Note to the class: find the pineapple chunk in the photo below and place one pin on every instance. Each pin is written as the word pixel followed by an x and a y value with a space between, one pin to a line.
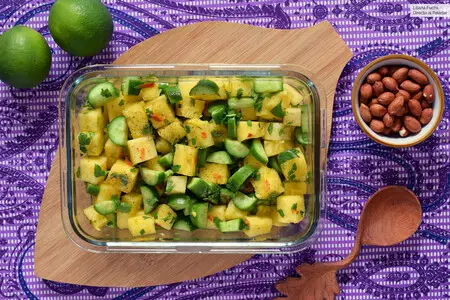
pixel 257 225
pixel 87 168
pixel 163 146
pixel 150 93
pixel 123 175
pixel 137 119
pixel 293 116
pixel 186 84
pixel 186 158
pixel 122 220
pixel 278 132
pixel 141 149
pixel 268 183
pixel 97 220
pixel 276 218
pixel 108 192
pixel 113 152
pixel 190 108
pixel 270 102
pixel 219 132
pixel 252 161
pixel 91 119
pixel 243 84
pixel 91 143
pixel 135 200
pixel 232 212
pixel 250 130
pixel 198 133
pixel 295 169
pixel 270 212
pixel 159 112
pixel 153 164
pixel 115 108
pixel 295 188
pixel 164 216
pixel 176 185
pixel 173 132
pixel 291 208
pixel 130 98
pixel 276 147
pixel 141 225
pixel 217 211
pixel 294 96
pixel 215 173
pixel 248 113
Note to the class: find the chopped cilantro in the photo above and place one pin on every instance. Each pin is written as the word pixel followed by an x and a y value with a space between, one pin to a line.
pixel 193 141
pixel 294 206
pixel 238 116
pixel 147 129
pixel 78 172
pixel 170 186
pixel 124 207
pixel 281 132
pixel 239 93
pixel 192 101
pixel 169 215
pixel 155 215
pixel 272 196
pixel 98 172
pixel 121 103
pixel 142 232
pixel 106 93
pixel 270 128
pixel 216 133
pixel 281 212
pixel 166 121
pixel 176 168
pixel 256 176
pixel 290 123
pixel 188 128
pixel 122 177
pixel 302 212
pixel 110 224
pixel 149 112
pixel 293 169
pixel 84 138
pixel 249 123
pixel 115 198
pixel 217 221
pixel 258 102
pixel 133 170
pixel 145 217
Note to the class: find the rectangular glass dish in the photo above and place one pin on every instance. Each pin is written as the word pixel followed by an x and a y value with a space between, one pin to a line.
pixel 74 197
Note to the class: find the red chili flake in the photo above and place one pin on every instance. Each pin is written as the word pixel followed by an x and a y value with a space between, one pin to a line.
pixel 142 153
pixel 246 222
pixel 249 135
pixel 217 176
pixel 210 217
pixel 157 118
pixel 147 85
pixel 266 185
pixel 128 162
pixel 204 135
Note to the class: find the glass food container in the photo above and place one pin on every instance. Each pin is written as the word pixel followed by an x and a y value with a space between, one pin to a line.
pixel 74 197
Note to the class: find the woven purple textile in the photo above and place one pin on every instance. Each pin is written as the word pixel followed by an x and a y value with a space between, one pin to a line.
pixel 357 167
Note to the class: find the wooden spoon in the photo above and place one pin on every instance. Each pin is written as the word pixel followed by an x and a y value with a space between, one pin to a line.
pixel 390 216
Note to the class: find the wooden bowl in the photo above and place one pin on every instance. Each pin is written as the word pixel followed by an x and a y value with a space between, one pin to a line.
pixel 437 105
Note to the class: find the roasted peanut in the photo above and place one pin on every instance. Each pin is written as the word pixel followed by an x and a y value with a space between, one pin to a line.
pixel 365 113
pixel 403 132
pixel 426 116
pixel 396 108
pixel 378 88
pixel 378 110
pixel 410 86
pixel 400 74
pixel 373 77
pixel 397 125
pixel 412 124
pixel 390 83
pixel 377 125
pixel 386 98
pixel 424 104
pixel 405 94
pixel 388 120
pixel 414 108
pixel 418 76
pixel 383 71
pixel 366 91
pixel 428 93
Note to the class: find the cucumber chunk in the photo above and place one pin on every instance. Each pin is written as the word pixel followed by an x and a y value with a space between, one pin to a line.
pixel 93 189
pixel 305 118
pixel 301 137
pixel 257 150
pixel 244 202
pixel 235 103
pixel 179 202
pixel 204 87
pixel 232 131
pixel 184 224
pixel 273 163
pixel 220 157
pixel 236 148
pixel 149 198
pixel 152 177
pixel 199 214
pixel 106 207
pixel 204 190
pixel 268 85
pixel 131 86
pixel 226 195
pixel 239 177
pixel 173 94
pixel 202 156
pixel 218 111
pixel 102 93
pixel 187 211
pixel 118 131
pixel 231 225
pixel 167 160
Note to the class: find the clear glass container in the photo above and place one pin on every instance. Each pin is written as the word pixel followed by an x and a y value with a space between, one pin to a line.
pixel 74 197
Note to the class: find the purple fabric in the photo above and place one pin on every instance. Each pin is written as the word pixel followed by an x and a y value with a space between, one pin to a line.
pixel 417 268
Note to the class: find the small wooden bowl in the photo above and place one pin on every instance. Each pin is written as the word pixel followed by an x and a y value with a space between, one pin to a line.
pixel 437 105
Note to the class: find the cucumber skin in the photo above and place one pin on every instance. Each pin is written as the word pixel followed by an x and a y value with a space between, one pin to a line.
pixel 257 150
pixel 113 134
pixel 240 201
pixel 230 226
pixel 184 224
pixel 219 157
pixel 95 100
pixel 100 207
pixel 239 177
pixel 152 177
pixel 230 146
pixel 200 219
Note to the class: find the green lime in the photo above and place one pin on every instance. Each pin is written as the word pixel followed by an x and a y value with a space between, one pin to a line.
pixel 81 27
pixel 25 57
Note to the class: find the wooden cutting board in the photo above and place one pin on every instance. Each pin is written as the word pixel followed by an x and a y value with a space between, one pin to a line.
pixel 319 49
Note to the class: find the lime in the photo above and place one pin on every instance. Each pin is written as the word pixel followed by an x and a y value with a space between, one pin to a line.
pixel 81 27
pixel 25 57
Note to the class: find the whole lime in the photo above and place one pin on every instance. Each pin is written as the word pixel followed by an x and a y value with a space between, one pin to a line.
pixel 25 57
pixel 81 27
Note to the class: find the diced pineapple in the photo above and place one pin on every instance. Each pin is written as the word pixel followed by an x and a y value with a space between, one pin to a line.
pixel 295 169
pixel 190 108
pixel 176 185
pixel 164 216
pixel 130 98
pixel 278 132
pixel 219 132
pixel 276 147
pixel 173 132
pixel 295 188
pixel 113 152
pixel 135 200
pixel 248 113
pixel 91 143
pixel 159 112
pixel 267 184
pixel 215 173
pixel 245 85
pixel 293 116
pixel 115 108
pixel 263 211
pixel 91 119
pixel 276 218
pixel 198 133
pixel 87 168
pixel 141 149
pixel 270 102
pixel 232 212
pixel 186 158
pixel 153 164
pixel 293 94
pixel 141 225
pixel 122 220
pixel 123 174
pixel 257 225
pixel 97 220
pixel 252 161
pixel 163 146
pixel 186 84
pixel 108 192
pixel 217 211
pixel 150 93
pixel 291 208
pixel 137 119
pixel 250 130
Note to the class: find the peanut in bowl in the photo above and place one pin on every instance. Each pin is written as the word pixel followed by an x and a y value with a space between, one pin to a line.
pixel 398 100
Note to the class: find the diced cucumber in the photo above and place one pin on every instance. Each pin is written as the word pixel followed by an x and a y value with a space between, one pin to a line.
pixel 204 87
pixel 226 195
pixel 239 177
pixel 268 85
pixel 214 193
pixel 123 207
pixel 231 122
pixel 202 156
pixel 167 174
pixel 149 198
pixel 257 150
pixel 131 85
pixel 93 189
pixel 199 214
pixel 184 224
pixel 179 202
pixel 204 190
pixel 118 131
pixel 301 137
pixel 167 160
pixel 273 163
pixel 173 94
pixel 278 111
pixel 244 202
pixel 218 111
pixel 220 157
pixel 102 93
pixel 152 177
pixel 287 155
pixel 236 148
pixel 187 211
pixel 305 118
pixel 235 103
pixel 231 225
pixel 112 220
pixel 106 207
